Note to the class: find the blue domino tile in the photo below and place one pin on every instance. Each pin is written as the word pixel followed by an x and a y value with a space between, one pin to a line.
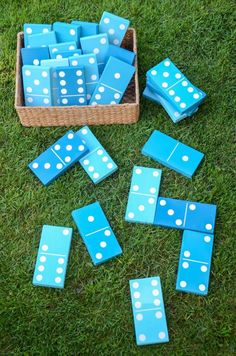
pixel 195 262
pixel 58 158
pixel 33 56
pixel 143 195
pixel 70 84
pixel 66 46
pixel 33 29
pixel 66 32
pixel 174 86
pixel 96 233
pixel 97 163
pixel 113 82
pixel 121 53
pixel 42 39
pixel 185 215
pixel 89 61
pixel 175 115
pixel 115 27
pixel 148 311
pixel 66 54
pixel 53 254
pixel 87 28
pixel 97 44
pixel 172 153
pixel 53 63
pixel 37 85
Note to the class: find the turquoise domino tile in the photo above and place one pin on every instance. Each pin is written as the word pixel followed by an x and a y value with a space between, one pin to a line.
pixel 142 199
pixel 115 27
pixel 97 163
pixel 174 86
pixel 172 153
pixel 67 32
pixel 58 158
pixel 185 215
pixel 195 262
pixel 33 29
pixel 53 254
pixel 42 39
pixel 97 44
pixel 148 311
pixel 87 28
pixel 89 61
pixel 96 233
pixel 65 46
pixel 121 53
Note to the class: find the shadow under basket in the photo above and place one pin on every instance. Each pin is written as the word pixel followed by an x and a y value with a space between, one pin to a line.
pixel 125 113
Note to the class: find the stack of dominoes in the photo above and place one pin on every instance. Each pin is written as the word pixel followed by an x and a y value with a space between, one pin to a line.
pixel 167 86
pixel 80 63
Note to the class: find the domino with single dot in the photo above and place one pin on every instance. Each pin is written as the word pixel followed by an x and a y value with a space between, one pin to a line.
pixel 89 61
pixel 96 233
pixel 58 158
pixel 87 28
pixel 113 82
pixel 148 311
pixel 33 56
pixel 195 262
pixel 66 54
pixel 170 82
pixel 115 27
pixel 97 163
pixel 66 46
pixel 70 84
pixel 121 53
pixel 33 29
pixel 185 215
pixel 172 153
pixel 42 39
pixel 171 111
pixel 37 85
pixel 66 32
pixel 97 44
pixel 143 195
pixel 53 254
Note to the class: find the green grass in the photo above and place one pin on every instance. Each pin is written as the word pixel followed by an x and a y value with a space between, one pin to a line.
pixel 92 315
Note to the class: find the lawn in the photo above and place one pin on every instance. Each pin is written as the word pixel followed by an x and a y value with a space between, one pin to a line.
pixel 92 315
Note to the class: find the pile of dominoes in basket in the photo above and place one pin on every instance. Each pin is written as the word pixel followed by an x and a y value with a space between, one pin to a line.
pixel 76 64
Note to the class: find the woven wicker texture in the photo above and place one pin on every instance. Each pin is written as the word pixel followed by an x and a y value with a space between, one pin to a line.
pixel 125 113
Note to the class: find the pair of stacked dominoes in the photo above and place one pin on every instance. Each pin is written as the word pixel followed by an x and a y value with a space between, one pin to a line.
pixel 80 63
pixel 81 146
pixel 166 85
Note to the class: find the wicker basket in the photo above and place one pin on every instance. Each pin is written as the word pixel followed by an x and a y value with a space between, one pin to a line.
pixel 125 113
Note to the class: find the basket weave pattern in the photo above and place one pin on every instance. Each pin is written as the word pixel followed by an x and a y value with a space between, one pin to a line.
pixel 125 113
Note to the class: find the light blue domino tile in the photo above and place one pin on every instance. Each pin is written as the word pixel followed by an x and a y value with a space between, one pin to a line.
pixel 97 44
pixel 53 254
pixel 113 82
pixel 42 39
pixel 170 213
pixel 174 86
pixel 33 56
pixel 66 54
pixel 115 27
pixel 143 195
pixel 172 153
pixel 96 233
pixel 97 163
pixel 58 158
pixel 89 61
pixel 37 85
pixel 33 29
pixel 67 32
pixel 195 262
pixel 148 311
pixel 66 46
pixel 87 28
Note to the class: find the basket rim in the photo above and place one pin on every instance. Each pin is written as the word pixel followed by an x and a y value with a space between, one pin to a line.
pixel 20 36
